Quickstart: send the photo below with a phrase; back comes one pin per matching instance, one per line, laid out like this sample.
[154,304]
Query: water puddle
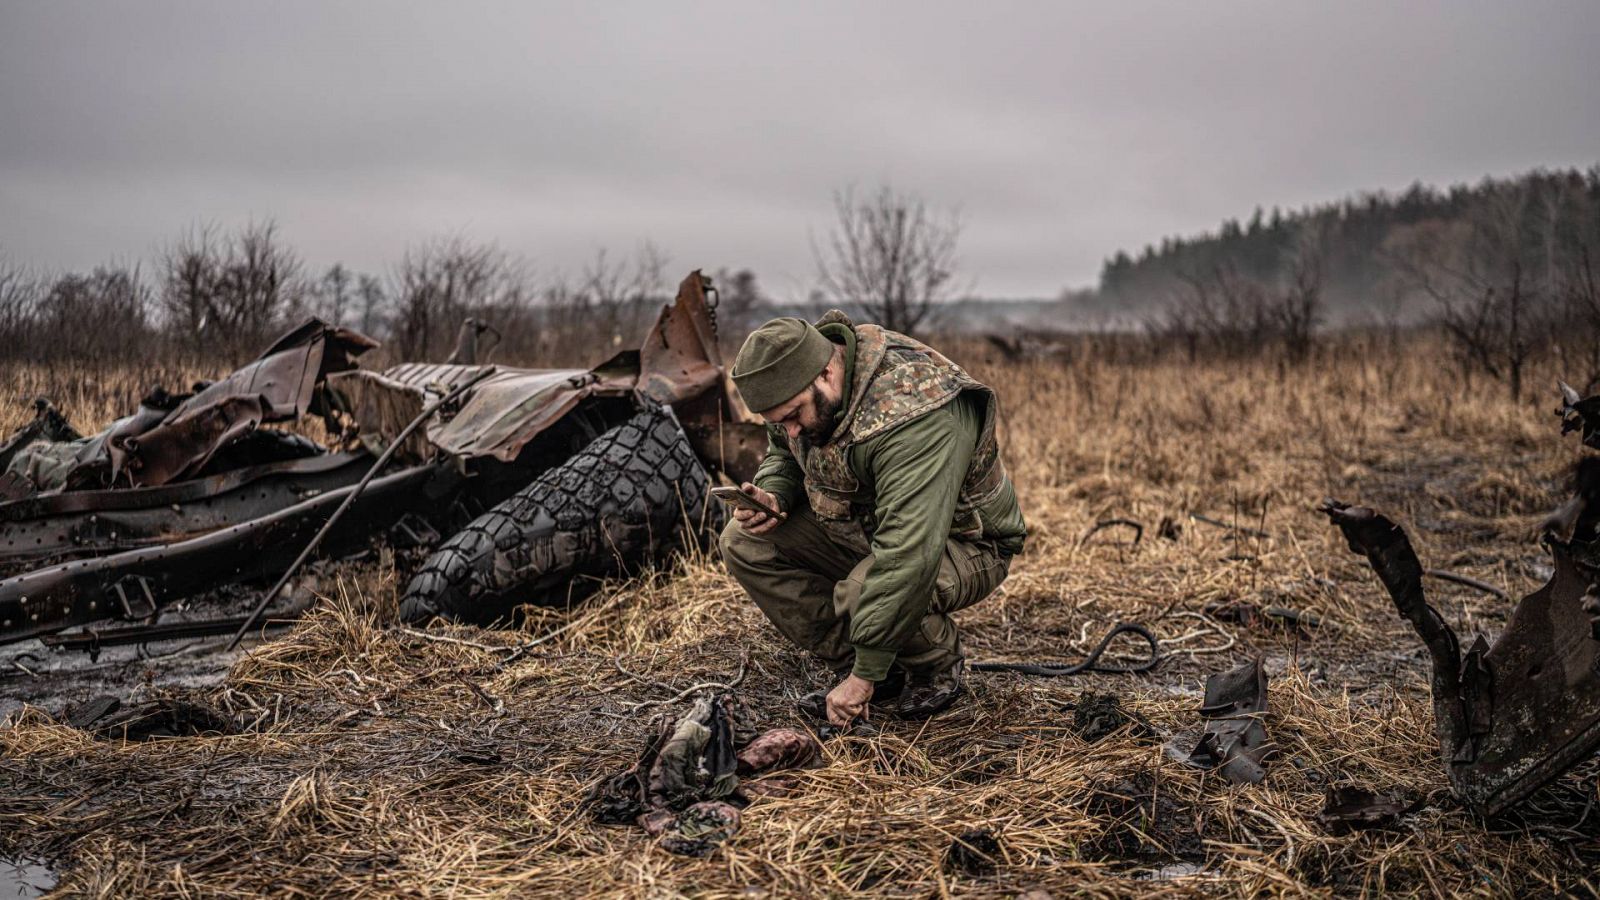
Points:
[25,879]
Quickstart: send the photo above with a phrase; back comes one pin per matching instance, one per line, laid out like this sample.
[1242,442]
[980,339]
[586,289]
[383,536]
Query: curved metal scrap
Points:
[277,387]
[678,364]
[497,417]
[681,365]
[1515,715]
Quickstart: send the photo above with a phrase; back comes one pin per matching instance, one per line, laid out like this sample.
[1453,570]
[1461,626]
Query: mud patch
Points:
[1142,823]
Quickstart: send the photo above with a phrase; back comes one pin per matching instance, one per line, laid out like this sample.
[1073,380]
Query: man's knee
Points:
[731,543]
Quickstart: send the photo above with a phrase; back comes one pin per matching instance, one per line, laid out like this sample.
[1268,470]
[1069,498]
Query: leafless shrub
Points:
[19,298]
[891,255]
[623,293]
[1490,300]
[1220,313]
[370,301]
[333,296]
[441,283]
[191,278]
[102,316]
[230,293]
[1300,303]
[739,302]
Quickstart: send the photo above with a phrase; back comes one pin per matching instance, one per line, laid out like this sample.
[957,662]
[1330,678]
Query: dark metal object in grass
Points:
[1234,739]
[1465,581]
[1510,717]
[93,640]
[1138,530]
[1253,615]
[166,717]
[1349,808]
[1240,529]
[1090,663]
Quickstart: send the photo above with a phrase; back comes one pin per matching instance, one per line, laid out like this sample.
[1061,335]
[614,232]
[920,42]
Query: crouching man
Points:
[895,509]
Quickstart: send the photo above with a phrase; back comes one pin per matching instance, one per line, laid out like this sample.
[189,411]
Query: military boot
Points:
[931,693]
[815,704]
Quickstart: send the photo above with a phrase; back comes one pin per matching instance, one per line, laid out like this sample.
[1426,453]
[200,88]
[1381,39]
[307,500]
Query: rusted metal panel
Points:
[276,387]
[135,583]
[1512,716]
[681,365]
[85,523]
[496,418]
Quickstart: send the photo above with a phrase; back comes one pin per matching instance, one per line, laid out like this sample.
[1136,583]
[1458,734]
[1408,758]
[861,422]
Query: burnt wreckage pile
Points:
[1511,716]
[538,477]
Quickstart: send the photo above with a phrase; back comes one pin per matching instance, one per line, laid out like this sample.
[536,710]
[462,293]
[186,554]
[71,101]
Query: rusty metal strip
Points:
[75,593]
[167,494]
[141,517]
[681,365]
[93,641]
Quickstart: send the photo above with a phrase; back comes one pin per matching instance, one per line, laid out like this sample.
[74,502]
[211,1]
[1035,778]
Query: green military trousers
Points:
[809,585]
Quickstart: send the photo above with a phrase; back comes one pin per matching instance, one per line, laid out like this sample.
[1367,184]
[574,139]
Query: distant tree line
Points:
[216,294]
[224,295]
[1506,269]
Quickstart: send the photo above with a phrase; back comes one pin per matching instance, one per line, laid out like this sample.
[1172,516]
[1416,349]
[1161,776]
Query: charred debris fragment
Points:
[191,492]
[1516,714]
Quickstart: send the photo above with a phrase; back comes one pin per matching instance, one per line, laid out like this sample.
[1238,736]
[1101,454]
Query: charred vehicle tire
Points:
[632,496]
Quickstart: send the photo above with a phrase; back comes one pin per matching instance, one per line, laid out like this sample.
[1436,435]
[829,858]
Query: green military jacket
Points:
[913,462]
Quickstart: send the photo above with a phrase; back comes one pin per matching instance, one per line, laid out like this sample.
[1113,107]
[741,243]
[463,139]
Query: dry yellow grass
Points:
[352,782]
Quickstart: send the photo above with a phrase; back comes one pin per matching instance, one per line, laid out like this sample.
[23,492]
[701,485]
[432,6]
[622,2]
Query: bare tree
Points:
[739,298]
[1481,274]
[96,317]
[230,293]
[891,255]
[333,294]
[440,284]
[1299,310]
[623,292]
[191,278]
[370,295]
[19,298]
[260,281]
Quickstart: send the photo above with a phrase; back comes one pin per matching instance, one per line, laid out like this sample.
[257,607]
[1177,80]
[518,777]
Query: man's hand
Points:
[752,520]
[848,701]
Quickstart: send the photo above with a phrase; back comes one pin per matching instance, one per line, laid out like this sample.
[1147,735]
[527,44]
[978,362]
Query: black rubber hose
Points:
[1090,663]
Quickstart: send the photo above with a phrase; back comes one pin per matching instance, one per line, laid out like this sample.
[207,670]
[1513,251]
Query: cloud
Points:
[719,130]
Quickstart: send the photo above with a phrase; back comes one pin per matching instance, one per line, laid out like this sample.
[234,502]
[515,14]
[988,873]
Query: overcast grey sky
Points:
[719,130]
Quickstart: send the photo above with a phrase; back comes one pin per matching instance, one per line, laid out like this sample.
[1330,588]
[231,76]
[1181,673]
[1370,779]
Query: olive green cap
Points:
[778,360]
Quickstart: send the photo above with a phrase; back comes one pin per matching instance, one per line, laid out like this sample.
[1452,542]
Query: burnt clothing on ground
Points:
[684,789]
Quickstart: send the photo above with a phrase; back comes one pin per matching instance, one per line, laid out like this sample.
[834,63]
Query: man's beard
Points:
[827,418]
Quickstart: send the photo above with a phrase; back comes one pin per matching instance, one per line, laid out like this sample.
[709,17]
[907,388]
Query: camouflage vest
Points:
[896,380]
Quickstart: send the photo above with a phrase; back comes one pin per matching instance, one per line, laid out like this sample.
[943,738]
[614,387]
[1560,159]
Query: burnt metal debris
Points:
[191,492]
[1234,739]
[1348,808]
[1513,715]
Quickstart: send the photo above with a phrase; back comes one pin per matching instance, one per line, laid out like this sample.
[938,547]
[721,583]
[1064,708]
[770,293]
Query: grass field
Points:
[355,782]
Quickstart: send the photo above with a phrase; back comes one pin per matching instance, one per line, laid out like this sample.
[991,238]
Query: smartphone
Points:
[737,498]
